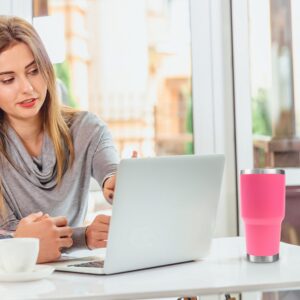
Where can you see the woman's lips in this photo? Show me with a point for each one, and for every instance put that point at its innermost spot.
(28, 103)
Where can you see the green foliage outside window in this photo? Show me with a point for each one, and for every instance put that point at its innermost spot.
(261, 124)
(189, 146)
(62, 72)
(261, 121)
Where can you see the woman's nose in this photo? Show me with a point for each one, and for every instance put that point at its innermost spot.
(26, 85)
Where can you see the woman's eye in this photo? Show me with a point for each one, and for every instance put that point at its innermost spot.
(7, 81)
(34, 71)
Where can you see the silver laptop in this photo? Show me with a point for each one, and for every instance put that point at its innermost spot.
(163, 213)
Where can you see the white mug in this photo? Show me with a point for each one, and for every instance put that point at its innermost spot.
(18, 254)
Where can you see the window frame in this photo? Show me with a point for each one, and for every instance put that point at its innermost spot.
(213, 106)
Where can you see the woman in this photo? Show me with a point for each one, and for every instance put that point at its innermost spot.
(48, 152)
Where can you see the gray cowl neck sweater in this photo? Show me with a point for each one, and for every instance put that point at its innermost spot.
(29, 182)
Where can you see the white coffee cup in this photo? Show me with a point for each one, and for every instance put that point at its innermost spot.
(18, 254)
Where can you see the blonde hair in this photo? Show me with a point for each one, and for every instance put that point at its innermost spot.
(56, 118)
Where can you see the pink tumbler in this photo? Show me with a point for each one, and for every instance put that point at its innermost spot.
(262, 209)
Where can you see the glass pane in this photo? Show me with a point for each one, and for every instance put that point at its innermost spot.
(275, 73)
(274, 39)
(129, 62)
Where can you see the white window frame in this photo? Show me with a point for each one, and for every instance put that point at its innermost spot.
(213, 109)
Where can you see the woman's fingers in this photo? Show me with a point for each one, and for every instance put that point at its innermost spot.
(66, 242)
(97, 232)
(32, 217)
(99, 236)
(60, 221)
(102, 219)
(100, 244)
(65, 231)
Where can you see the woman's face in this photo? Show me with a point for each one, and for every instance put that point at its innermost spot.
(22, 88)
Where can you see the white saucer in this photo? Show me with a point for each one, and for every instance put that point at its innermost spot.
(39, 272)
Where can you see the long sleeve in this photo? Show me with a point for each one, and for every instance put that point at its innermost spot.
(104, 164)
(8, 220)
(79, 241)
(105, 159)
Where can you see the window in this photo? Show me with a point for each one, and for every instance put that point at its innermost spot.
(130, 63)
(266, 37)
(274, 82)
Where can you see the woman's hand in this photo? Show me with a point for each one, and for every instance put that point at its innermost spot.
(109, 188)
(109, 184)
(96, 234)
(53, 234)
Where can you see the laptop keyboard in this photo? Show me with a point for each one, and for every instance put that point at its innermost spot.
(90, 264)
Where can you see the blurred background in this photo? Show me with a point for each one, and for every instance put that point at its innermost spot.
(129, 62)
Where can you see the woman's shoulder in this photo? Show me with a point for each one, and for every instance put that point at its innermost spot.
(87, 128)
(85, 121)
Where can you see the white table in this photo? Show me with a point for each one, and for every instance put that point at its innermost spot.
(225, 270)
